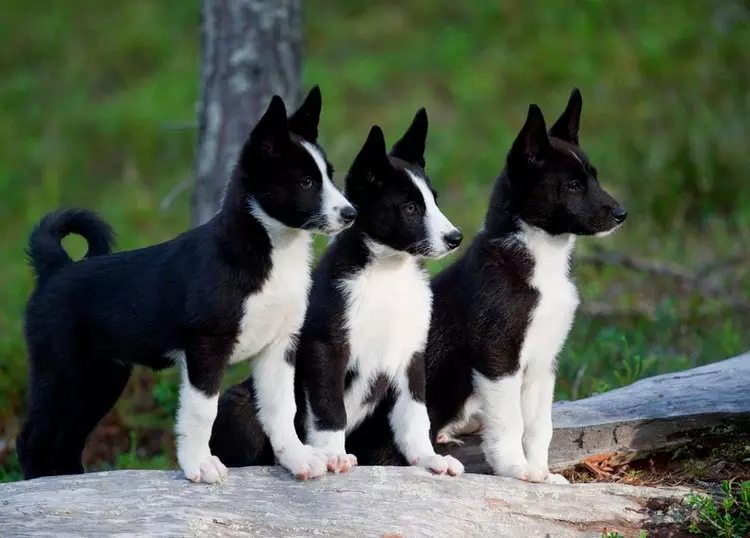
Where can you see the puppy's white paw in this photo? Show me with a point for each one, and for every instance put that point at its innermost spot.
(303, 461)
(521, 472)
(440, 464)
(340, 463)
(553, 478)
(455, 467)
(210, 470)
(542, 474)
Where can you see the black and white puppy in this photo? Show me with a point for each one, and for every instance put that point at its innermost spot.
(503, 311)
(233, 288)
(363, 340)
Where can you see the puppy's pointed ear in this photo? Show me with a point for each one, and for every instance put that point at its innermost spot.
(272, 130)
(532, 144)
(305, 120)
(371, 159)
(566, 126)
(412, 145)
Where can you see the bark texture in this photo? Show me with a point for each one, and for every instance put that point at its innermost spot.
(656, 414)
(366, 502)
(250, 50)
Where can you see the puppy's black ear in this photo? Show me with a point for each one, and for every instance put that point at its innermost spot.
(566, 126)
(531, 144)
(411, 146)
(272, 130)
(305, 120)
(371, 160)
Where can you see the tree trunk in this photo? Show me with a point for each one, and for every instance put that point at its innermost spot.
(250, 50)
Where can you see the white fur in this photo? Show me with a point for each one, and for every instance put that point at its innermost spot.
(437, 224)
(272, 317)
(388, 310)
(278, 309)
(608, 232)
(332, 443)
(518, 408)
(195, 418)
(333, 200)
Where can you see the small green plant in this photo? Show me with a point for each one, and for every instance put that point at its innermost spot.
(727, 517)
(11, 471)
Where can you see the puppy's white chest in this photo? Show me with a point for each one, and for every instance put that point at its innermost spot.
(388, 314)
(278, 309)
(550, 321)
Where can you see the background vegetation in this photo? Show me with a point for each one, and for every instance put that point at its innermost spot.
(98, 101)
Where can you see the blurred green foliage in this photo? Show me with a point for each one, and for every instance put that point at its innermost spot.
(88, 92)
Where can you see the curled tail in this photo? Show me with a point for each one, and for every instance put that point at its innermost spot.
(46, 253)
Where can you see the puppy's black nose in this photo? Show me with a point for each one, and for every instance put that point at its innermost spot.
(619, 214)
(453, 239)
(348, 214)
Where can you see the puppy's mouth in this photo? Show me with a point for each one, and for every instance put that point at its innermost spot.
(438, 254)
(330, 230)
(612, 230)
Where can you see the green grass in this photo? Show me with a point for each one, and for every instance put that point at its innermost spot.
(726, 516)
(87, 89)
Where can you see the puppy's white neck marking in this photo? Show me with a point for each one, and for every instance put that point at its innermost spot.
(549, 251)
(280, 234)
(381, 252)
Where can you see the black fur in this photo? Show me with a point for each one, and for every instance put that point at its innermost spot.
(390, 212)
(88, 322)
(482, 302)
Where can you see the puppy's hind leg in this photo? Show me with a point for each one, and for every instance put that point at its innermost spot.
(67, 399)
(238, 439)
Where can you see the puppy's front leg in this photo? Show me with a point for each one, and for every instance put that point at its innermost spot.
(323, 371)
(536, 402)
(273, 375)
(503, 424)
(203, 363)
(411, 424)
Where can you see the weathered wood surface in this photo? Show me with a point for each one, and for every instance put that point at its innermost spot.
(366, 502)
(654, 414)
(250, 50)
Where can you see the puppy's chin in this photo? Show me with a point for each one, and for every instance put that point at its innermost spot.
(605, 233)
(331, 231)
(437, 254)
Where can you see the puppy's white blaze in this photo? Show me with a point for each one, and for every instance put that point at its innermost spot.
(332, 199)
(195, 417)
(437, 224)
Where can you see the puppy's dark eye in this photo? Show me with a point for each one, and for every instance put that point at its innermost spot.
(306, 182)
(411, 207)
(574, 185)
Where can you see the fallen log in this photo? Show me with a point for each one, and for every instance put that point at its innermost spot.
(366, 502)
(653, 415)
